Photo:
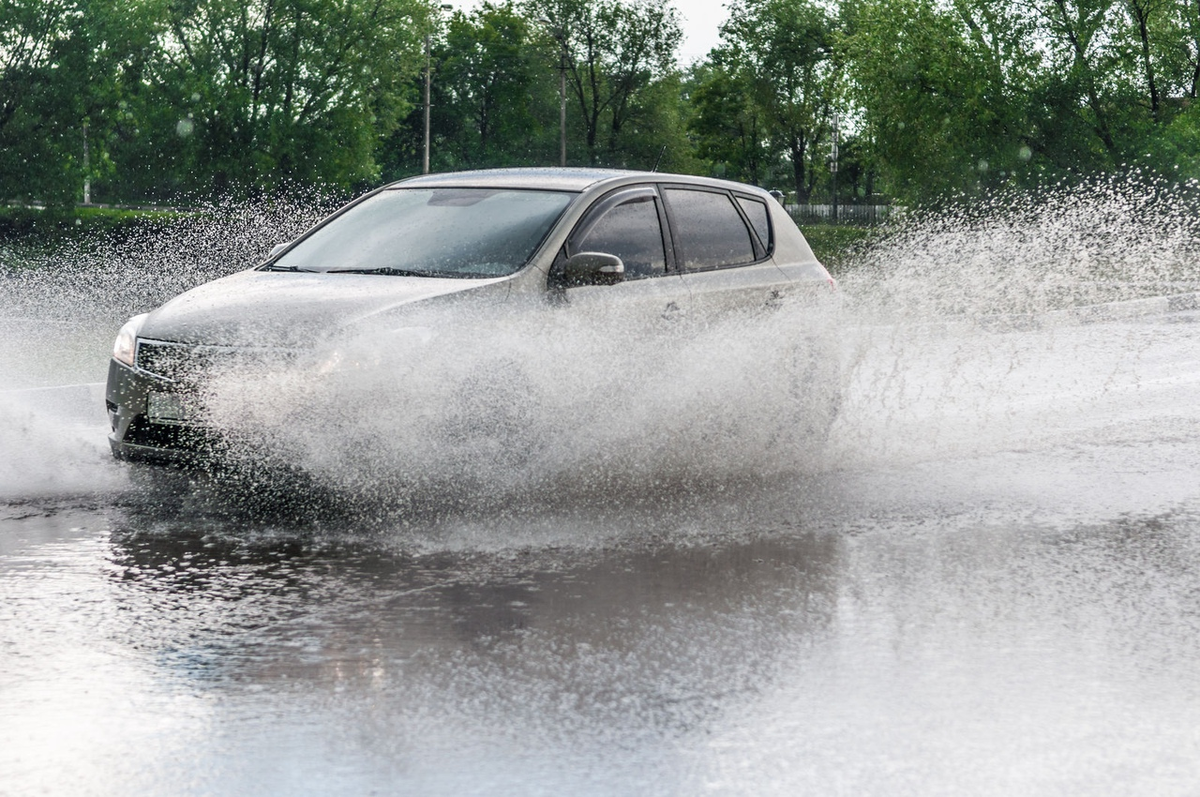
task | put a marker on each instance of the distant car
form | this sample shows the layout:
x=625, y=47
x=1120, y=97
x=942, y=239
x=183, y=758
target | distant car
x=556, y=236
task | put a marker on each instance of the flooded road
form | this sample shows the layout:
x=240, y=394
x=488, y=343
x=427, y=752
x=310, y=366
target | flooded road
x=985, y=583
x=1024, y=619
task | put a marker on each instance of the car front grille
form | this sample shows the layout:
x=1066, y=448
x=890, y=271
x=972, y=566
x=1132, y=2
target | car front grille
x=191, y=364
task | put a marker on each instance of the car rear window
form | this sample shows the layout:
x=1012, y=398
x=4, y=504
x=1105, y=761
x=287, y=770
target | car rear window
x=708, y=228
x=756, y=211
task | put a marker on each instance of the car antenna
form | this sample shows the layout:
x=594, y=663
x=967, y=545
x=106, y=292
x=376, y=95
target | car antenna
x=658, y=160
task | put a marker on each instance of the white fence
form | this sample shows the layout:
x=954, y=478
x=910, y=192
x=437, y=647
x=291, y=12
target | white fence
x=847, y=214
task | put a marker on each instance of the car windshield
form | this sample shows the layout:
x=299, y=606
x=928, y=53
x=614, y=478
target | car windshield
x=434, y=232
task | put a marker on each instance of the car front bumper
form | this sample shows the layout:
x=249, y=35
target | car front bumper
x=136, y=435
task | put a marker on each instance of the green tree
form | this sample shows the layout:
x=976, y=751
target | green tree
x=784, y=54
x=945, y=94
x=242, y=95
x=494, y=99
x=1080, y=35
x=613, y=51
x=729, y=129
x=33, y=119
x=494, y=90
x=61, y=62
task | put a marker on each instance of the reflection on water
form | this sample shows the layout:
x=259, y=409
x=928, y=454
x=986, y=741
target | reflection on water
x=327, y=607
x=759, y=654
x=352, y=657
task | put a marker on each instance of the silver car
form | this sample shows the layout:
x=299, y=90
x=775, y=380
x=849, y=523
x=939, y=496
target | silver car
x=666, y=245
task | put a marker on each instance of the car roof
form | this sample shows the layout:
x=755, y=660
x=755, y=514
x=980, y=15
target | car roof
x=554, y=179
x=568, y=179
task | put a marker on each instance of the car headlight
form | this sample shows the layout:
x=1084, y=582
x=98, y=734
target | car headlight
x=125, y=346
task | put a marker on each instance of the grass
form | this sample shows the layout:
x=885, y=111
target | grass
x=835, y=244
x=46, y=226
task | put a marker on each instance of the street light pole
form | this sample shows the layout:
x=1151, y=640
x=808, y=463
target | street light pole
x=87, y=168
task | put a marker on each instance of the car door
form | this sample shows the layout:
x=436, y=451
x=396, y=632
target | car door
x=628, y=223
x=722, y=244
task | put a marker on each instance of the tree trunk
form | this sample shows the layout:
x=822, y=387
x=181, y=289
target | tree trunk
x=796, y=148
x=1141, y=12
x=1089, y=80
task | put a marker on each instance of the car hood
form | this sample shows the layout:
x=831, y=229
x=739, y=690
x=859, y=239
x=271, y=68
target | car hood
x=270, y=308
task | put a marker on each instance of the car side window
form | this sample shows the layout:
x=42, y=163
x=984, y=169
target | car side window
x=632, y=232
x=709, y=231
x=760, y=220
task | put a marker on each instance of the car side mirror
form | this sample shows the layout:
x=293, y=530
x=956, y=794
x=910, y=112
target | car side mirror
x=276, y=249
x=593, y=268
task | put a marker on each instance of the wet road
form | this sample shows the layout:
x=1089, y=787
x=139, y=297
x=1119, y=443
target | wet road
x=986, y=585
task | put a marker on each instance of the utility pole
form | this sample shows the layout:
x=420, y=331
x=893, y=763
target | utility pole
x=833, y=165
x=562, y=100
x=428, y=83
x=87, y=169
x=560, y=36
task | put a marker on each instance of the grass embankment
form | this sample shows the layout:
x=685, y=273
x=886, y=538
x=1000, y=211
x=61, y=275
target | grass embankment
x=42, y=227
x=835, y=244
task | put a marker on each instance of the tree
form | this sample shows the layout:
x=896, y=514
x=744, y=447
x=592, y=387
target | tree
x=729, y=128
x=614, y=51
x=32, y=37
x=783, y=52
x=946, y=94
x=60, y=67
x=494, y=90
x=1079, y=28
x=244, y=95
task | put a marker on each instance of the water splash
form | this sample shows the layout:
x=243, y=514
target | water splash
x=60, y=308
x=1017, y=322
x=965, y=332
x=1111, y=239
x=494, y=405
x=118, y=273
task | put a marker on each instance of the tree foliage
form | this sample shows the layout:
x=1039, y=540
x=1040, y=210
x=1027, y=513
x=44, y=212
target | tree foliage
x=730, y=130
x=60, y=66
x=972, y=94
x=158, y=99
x=613, y=53
x=943, y=93
x=277, y=90
x=493, y=101
x=782, y=52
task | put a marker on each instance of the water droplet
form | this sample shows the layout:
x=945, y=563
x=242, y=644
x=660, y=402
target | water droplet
x=185, y=127
x=1025, y=153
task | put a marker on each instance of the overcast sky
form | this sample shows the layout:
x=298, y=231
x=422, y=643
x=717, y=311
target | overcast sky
x=700, y=21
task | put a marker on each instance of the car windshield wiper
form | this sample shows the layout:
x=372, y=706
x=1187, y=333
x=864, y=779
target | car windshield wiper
x=387, y=271
x=278, y=267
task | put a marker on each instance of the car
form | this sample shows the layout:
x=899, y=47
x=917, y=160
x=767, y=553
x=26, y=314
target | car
x=665, y=245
